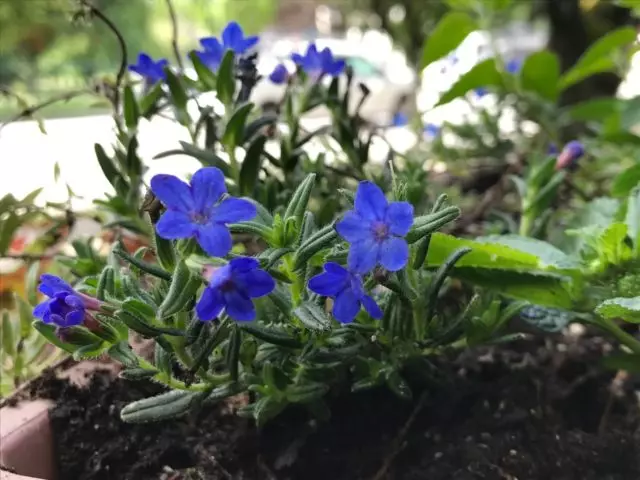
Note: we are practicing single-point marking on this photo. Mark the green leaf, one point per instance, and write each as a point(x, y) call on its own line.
point(109, 168)
point(626, 181)
point(8, 227)
point(451, 30)
point(547, 319)
point(271, 335)
point(427, 224)
point(149, 101)
point(131, 109)
point(313, 316)
point(49, 332)
point(226, 81)
point(484, 74)
point(25, 312)
point(165, 406)
point(633, 219)
point(178, 93)
point(629, 362)
point(630, 115)
point(540, 74)
point(235, 127)
point(595, 110)
point(9, 336)
point(207, 157)
point(182, 290)
point(300, 199)
point(31, 282)
point(250, 169)
point(205, 75)
point(628, 309)
point(600, 57)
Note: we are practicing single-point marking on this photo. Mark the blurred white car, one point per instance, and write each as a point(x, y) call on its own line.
point(392, 86)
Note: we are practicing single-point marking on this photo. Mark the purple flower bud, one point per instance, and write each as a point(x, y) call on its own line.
point(570, 155)
point(65, 307)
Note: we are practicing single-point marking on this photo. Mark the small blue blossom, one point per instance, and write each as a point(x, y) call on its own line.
point(513, 66)
point(347, 291)
point(375, 229)
point(151, 71)
point(232, 39)
point(480, 92)
point(570, 155)
point(430, 131)
point(198, 210)
point(65, 307)
point(400, 120)
point(318, 63)
point(552, 149)
point(231, 289)
point(280, 75)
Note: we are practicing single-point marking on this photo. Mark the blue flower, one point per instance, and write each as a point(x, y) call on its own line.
point(318, 63)
point(279, 75)
point(570, 155)
point(513, 66)
point(430, 131)
point(65, 307)
point(375, 229)
point(231, 289)
point(232, 39)
point(552, 149)
point(198, 210)
point(399, 120)
point(151, 71)
point(347, 290)
point(480, 92)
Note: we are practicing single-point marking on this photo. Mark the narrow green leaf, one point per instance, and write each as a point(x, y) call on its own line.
point(226, 81)
point(251, 165)
point(235, 126)
point(484, 74)
point(131, 109)
point(313, 316)
point(165, 406)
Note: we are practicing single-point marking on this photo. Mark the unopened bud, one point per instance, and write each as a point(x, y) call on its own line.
point(570, 155)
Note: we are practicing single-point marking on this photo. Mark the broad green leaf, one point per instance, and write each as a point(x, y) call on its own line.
point(547, 319)
point(548, 255)
point(600, 57)
point(612, 246)
point(484, 74)
point(627, 309)
point(626, 181)
point(540, 74)
point(630, 115)
point(451, 30)
point(595, 110)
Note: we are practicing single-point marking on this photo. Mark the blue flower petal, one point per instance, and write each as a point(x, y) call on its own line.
point(400, 120)
point(74, 301)
point(279, 75)
point(74, 317)
point(297, 59)
point(336, 68)
point(238, 306)
point(207, 186)
point(244, 264)
point(212, 45)
point(232, 210)
point(328, 284)
point(363, 256)
point(42, 308)
point(336, 269)
point(353, 227)
point(214, 239)
point(399, 218)
point(210, 59)
point(174, 224)
point(255, 283)
point(249, 43)
point(51, 285)
point(371, 307)
point(220, 276)
point(173, 192)
point(394, 254)
point(346, 306)
point(370, 202)
point(210, 304)
point(55, 319)
point(233, 36)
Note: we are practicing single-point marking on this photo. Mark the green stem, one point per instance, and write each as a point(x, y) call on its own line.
point(187, 360)
point(171, 382)
point(623, 337)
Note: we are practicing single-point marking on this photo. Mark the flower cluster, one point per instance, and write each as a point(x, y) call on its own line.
point(375, 229)
point(315, 63)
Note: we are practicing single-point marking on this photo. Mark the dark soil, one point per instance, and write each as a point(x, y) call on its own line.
point(528, 411)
